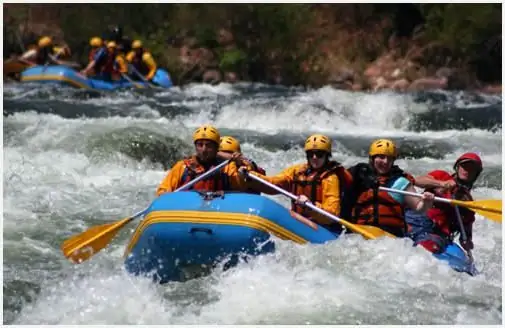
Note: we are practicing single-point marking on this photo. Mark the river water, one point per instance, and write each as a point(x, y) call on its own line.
point(74, 159)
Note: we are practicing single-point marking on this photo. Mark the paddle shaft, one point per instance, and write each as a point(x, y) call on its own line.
point(448, 201)
point(294, 197)
point(464, 237)
point(141, 76)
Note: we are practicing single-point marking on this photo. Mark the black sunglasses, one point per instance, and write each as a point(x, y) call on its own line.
point(318, 153)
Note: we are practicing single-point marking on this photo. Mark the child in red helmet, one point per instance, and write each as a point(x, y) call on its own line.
point(438, 227)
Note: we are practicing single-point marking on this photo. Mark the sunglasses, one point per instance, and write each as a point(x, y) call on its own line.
point(318, 153)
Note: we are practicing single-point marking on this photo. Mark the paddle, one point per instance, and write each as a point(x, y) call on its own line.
point(368, 232)
point(490, 208)
point(127, 78)
point(136, 72)
point(463, 231)
point(86, 244)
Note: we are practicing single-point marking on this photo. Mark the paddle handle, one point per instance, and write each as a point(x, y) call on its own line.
point(294, 197)
point(415, 194)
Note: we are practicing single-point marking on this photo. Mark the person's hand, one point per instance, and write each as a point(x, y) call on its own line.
point(243, 171)
point(237, 157)
point(428, 196)
point(302, 199)
point(447, 185)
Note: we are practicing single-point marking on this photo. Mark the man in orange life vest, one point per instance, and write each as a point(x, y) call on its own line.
point(206, 139)
point(435, 230)
point(365, 204)
point(229, 146)
point(103, 62)
point(96, 44)
point(319, 180)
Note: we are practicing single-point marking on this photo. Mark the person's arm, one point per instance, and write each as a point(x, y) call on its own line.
point(331, 195)
point(172, 180)
point(419, 204)
point(151, 64)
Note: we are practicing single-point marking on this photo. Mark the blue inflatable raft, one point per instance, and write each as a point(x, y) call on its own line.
point(186, 233)
point(67, 76)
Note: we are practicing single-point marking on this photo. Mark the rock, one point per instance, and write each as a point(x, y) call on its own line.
point(372, 71)
point(400, 85)
point(342, 75)
point(212, 76)
point(230, 77)
point(380, 84)
point(492, 89)
point(428, 83)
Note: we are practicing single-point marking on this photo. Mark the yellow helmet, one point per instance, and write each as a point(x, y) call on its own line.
point(111, 44)
point(318, 142)
point(230, 144)
point(207, 132)
point(137, 44)
point(383, 147)
point(95, 42)
point(45, 41)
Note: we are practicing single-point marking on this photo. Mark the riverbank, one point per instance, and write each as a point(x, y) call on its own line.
point(361, 47)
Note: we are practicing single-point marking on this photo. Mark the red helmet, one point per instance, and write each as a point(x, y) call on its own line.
point(466, 157)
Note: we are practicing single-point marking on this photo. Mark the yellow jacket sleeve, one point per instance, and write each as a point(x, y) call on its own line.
point(172, 180)
point(283, 180)
point(236, 181)
point(148, 59)
point(331, 198)
point(130, 56)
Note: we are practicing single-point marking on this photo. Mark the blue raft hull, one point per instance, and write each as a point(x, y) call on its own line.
point(68, 76)
point(183, 233)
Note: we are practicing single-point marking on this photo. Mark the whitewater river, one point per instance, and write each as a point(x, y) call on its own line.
point(74, 159)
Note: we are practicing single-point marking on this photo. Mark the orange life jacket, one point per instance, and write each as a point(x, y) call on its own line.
point(108, 66)
point(378, 208)
point(219, 181)
point(309, 183)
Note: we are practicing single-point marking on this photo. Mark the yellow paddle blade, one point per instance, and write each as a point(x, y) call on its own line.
point(369, 232)
point(81, 247)
point(490, 208)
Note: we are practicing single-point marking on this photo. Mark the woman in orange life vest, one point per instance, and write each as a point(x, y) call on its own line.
point(229, 145)
point(142, 60)
point(365, 204)
point(319, 181)
point(206, 139)
point(435, 230)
